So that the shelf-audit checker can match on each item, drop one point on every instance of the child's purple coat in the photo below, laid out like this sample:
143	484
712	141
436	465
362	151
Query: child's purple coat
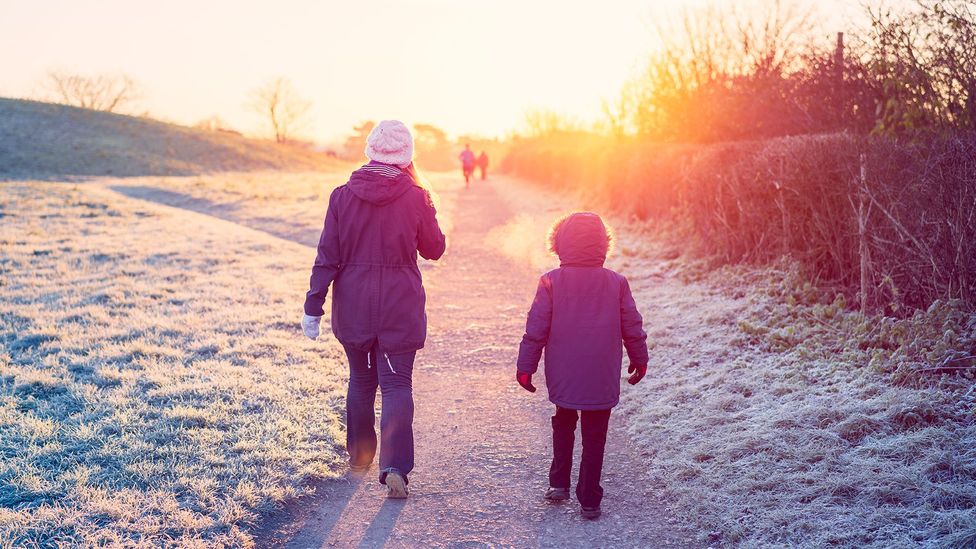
374	227
581	314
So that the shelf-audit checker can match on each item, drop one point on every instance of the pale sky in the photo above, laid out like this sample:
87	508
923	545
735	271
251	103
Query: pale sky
468	67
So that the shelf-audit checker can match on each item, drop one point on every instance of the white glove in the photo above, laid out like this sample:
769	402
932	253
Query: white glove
310	325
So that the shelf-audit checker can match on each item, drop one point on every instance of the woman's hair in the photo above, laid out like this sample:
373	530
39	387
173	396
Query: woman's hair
558	224
421	181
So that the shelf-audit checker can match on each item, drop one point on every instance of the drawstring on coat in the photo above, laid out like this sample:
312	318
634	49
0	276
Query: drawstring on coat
372	359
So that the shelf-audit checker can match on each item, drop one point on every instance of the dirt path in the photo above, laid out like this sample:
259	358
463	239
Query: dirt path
483	444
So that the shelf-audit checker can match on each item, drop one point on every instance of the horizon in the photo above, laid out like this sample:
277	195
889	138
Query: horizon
482	87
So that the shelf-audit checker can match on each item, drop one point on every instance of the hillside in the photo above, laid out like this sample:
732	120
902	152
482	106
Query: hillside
48	141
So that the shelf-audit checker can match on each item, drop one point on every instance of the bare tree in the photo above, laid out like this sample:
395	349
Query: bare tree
434	150
924	60
99	92
721	73
283	108
543	123
215	124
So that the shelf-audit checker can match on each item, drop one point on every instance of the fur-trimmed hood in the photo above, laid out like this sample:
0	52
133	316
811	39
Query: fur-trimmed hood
580	239
581	314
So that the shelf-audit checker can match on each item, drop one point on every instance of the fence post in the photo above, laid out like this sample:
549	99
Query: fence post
839	57
780	185
862	233
839	96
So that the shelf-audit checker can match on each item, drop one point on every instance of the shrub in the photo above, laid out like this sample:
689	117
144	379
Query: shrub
798	197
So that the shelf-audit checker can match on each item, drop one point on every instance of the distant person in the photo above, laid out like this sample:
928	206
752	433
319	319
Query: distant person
467	164
483	164
581	314
374	227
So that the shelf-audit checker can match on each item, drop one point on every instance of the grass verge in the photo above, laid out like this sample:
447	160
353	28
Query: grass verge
154	387
774	417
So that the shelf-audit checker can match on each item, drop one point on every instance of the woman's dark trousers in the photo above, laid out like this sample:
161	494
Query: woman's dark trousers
593	427
392	373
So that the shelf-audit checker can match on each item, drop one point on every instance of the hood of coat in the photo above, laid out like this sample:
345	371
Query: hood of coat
581	240
378	189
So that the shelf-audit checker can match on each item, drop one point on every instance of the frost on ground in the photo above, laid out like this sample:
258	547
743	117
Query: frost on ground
787	446
774	420
286	205
153	385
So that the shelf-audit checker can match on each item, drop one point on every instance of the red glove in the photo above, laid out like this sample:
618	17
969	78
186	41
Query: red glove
637	371
525	380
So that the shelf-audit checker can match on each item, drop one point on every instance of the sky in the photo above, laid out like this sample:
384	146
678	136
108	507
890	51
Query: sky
468	67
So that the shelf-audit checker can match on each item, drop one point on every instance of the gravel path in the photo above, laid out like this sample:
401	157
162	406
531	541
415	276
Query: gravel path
483	444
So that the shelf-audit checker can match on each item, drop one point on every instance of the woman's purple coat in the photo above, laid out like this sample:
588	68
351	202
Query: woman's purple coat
374	227
581	314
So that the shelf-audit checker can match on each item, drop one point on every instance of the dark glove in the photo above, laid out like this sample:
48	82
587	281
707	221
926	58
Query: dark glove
525	380
637	373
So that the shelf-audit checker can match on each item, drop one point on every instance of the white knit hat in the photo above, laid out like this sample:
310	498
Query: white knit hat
390	142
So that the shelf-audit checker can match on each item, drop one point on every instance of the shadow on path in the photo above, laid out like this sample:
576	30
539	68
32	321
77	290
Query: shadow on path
356	502
275	226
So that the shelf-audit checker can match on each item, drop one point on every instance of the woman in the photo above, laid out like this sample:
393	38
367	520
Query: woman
374	227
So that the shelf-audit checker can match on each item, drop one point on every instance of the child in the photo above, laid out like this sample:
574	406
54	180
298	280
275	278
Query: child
581	314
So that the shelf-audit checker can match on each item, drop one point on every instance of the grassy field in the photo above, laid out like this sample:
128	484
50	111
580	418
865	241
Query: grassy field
286	205
154	387
52	142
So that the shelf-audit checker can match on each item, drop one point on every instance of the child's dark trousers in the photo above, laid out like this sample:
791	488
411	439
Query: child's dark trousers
593	427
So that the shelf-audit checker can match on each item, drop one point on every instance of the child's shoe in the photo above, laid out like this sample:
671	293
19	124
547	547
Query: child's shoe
591	513
396	487
557	494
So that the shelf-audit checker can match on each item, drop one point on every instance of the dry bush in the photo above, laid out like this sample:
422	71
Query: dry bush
215	124
922	60
101	92
798	197
786	122
726	74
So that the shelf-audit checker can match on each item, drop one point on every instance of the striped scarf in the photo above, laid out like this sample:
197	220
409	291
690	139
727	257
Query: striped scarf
385	170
